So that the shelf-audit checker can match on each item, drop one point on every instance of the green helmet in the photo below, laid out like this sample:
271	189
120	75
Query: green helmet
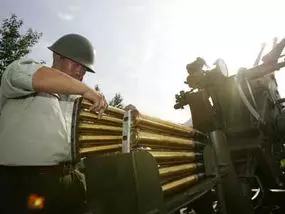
76	48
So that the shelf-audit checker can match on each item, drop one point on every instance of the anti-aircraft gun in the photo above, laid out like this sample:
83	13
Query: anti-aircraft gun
248	109
136	163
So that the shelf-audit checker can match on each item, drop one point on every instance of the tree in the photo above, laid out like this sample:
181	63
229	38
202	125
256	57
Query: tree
96	87
13	44
117	101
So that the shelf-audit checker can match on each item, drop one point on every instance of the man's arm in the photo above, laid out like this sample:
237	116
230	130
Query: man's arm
51	80
25	77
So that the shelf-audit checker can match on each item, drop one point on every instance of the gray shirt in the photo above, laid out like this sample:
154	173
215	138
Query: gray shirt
34	127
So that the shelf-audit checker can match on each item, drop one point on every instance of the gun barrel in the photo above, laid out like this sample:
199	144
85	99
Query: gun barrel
169	171
116	112
99	138
94	129
141	138
89	117
100	149
183	182
262	70
168	157
163	126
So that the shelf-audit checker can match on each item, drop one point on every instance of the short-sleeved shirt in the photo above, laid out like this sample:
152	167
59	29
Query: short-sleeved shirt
34	127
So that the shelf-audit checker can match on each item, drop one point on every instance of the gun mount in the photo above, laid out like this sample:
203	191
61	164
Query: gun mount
248	109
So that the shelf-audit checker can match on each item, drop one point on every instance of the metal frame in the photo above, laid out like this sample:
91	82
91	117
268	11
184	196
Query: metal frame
74	135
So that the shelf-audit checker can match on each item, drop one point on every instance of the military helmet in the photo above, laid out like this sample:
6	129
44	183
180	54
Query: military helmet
76	48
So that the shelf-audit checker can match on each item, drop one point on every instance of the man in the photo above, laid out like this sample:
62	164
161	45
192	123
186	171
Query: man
36	103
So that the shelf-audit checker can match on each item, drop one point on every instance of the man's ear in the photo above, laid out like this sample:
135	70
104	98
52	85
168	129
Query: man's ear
56	59
55	56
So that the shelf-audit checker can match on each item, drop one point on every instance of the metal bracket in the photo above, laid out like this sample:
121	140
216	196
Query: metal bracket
243	97
126	142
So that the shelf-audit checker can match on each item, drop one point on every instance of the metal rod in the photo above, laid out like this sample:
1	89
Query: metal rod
259	55
178	184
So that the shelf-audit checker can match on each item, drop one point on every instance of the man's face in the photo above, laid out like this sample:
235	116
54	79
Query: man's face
73	69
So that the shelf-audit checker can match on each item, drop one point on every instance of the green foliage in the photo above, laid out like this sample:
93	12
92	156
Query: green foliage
117	101
14	44
96	87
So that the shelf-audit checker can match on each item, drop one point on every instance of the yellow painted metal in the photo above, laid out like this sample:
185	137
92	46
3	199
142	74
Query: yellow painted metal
177	184
140	138
157	124
99	138
93	129
106	148
177	169
173	157
88	116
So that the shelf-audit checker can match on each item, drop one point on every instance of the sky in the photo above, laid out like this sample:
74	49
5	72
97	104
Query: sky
142	47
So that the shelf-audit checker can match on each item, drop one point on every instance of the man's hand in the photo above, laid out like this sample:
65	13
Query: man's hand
98	100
